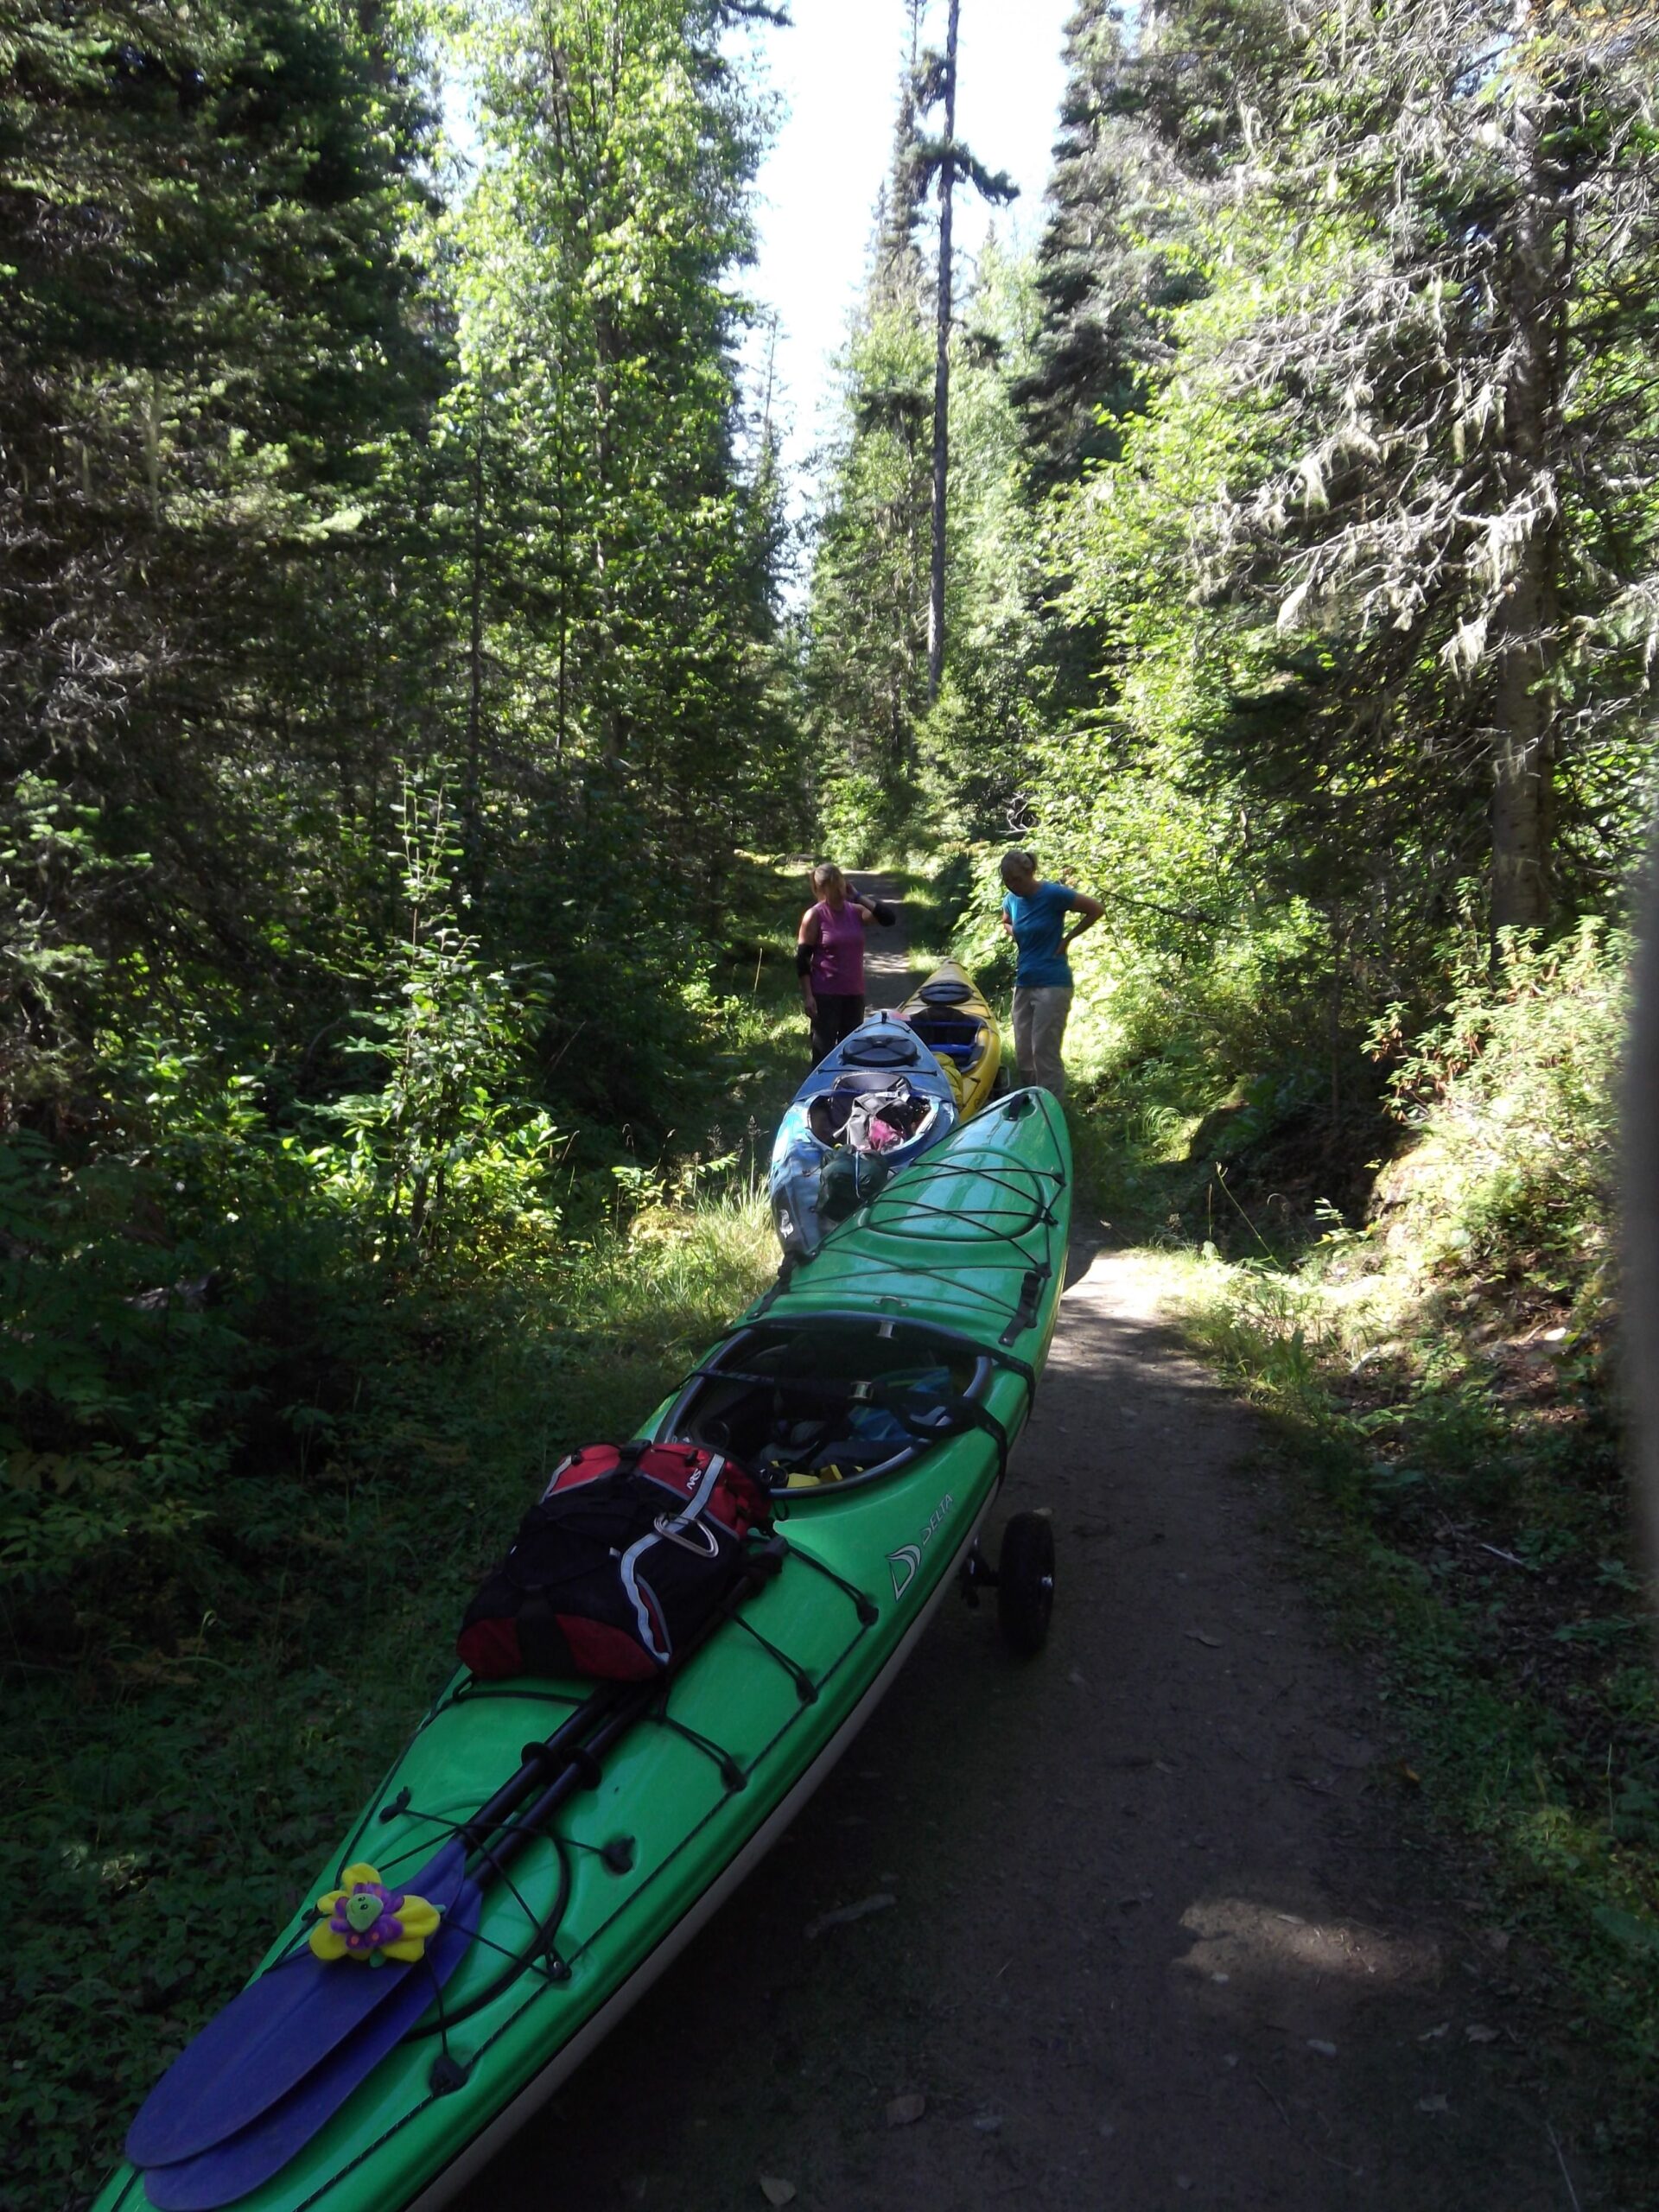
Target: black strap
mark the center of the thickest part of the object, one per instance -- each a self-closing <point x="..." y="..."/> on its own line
<point x="963" y="1413"/>
<point x="1026" y="1311"/>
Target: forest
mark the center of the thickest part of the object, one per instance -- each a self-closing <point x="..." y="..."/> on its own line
<point x="418" y="697"/>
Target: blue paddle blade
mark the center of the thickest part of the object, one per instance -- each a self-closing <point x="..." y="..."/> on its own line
<point x="240" y="2162"/>
<point x="271" y="2036"/>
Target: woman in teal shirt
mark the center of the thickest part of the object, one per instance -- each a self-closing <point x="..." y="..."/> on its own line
<point x="1033" y="914"/>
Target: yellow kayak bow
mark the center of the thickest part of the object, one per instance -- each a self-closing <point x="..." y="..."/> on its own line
<point x="960" y="1030"/>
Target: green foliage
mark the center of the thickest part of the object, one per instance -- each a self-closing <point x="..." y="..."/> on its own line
<point x="444" y="1131"/>
<point x="864" y="671"/>
<point x="1303" y="555"/>
<point x="107" y="1381"/>
<point x="211" y="229"/>
<point x="1513" y="1093"/>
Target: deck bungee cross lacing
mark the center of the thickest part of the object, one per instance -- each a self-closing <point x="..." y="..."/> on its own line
<point x="956" y="1279"/>
<point x="904" y="1201"/>
<point x="230" y="2165"/>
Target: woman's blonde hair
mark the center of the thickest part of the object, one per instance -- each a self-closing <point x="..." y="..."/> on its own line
<point x="824" y="874"/>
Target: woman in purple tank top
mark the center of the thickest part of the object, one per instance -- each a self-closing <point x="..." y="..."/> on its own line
<point x="829" y="957"/>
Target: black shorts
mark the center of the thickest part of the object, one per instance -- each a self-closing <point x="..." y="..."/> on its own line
<point x="838" y="1015"/>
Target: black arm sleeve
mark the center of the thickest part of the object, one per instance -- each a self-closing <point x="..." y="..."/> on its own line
<point x="883" y="912"/>
<point x="804" y="958"/>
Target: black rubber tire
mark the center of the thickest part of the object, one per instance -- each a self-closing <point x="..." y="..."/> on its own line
<point x="1025" y="1583"/>
<point x="1001" y="1086"/>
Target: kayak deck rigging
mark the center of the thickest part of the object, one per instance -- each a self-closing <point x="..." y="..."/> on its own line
<point x="540" y="1954"/>
<point x="910" y="1218"/>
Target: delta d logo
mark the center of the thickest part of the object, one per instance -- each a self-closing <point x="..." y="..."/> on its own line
<point x="903" y="1563"/>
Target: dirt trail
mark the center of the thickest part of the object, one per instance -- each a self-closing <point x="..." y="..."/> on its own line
<point x="888" y="973"/>
<point x="1156" y="1939"/>
<point x="1159" y="1934"/>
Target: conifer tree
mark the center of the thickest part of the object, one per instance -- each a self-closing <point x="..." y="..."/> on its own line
<point x="1455" y="509"/>
<point x="866" y="662"/>
<point x="213" y="357"/>
<point x="300" y="489"/>
<point x="1106" y="271"/>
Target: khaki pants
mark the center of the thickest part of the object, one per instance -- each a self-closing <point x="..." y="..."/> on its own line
<point x="1040" y="1012"/>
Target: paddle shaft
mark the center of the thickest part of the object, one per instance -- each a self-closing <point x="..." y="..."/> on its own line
<point x="578" y="1773"/>
<point x="476" y="1832"/>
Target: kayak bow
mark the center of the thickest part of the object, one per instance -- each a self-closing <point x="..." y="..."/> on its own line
<point x="824" y="1164"/>
<point x="953" y="1020"/>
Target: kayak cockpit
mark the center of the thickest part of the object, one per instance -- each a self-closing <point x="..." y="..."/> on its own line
<point x="952" y="1020"/>
<point x="957" y="1038"/>
<point x="872" y="1114"/>
<point x="842" y="1401"/>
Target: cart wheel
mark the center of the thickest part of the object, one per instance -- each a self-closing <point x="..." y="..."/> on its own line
<point x="1001" y="1085"/>
<point x="1025" y="1583"/>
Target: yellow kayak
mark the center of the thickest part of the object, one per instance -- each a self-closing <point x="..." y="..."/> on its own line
<point x="961" y="1032"/>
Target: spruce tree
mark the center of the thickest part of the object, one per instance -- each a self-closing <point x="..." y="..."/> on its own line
<point x="212" y="354"/>
<point x="866" y="657"/>
<point x="1107" y="272"/>
<point x="1456" y="507"/>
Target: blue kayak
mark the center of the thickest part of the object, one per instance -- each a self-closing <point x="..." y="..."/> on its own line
<point x="875" y="1104"/>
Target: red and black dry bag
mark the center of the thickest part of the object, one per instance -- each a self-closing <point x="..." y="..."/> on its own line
<point x="623" y="1559"/>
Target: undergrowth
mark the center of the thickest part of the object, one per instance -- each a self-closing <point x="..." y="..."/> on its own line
<point x="1441" y="1379"/>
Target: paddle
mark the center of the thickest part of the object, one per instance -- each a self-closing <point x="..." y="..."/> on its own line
<point x="284" y="2023"/>
<point x="234" y="2166"/>
<point x="271" y="2036"/>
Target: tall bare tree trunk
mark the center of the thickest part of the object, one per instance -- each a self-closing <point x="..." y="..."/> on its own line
<point x="941" y="369"/>
<point x="1528" y="618"/>
<point x="471" y="839"/>
<point x="1639" y="1225"/>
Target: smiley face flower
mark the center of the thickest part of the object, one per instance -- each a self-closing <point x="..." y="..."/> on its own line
<point x="365" y="1919"/>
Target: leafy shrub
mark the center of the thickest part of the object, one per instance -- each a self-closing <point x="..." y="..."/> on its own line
<point x="1512" y="1093"/>
<point x="111" y="1384"/>
<point x="862" y="815"/>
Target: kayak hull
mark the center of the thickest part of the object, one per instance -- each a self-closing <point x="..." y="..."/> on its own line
<point x="953" y="1018"/>
<point x="692" y="1794"/>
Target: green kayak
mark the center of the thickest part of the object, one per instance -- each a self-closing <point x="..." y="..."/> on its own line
<point x="877" y="1389"/>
